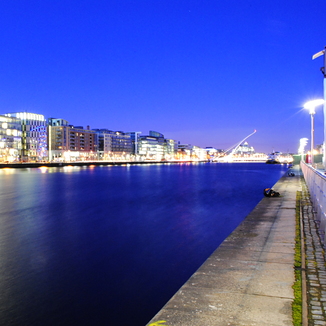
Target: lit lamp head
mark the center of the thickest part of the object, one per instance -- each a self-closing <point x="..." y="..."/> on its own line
<point x="303" y="143"/>
<point x="311" y="105"/>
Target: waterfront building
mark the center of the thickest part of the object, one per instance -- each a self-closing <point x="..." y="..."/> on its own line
<point x="191" y="152"/>
<point x="121" y="143"/>
<point x="152" y="147"/>
<point x="104" y="144"/>
<point x="198" y="153"/>
<point x="34" y="136"/>
<point x="213" y="152"/>
<point x="58" y="138"/>
<point x="70" y="143"/>
<point x="10" y="139"/>
<point x="134" y="135"/>
<point x="184" y="151"/>
<point x="170" y="149"/>
<point x="113" y="144"/>
<point x="244" y="149"/>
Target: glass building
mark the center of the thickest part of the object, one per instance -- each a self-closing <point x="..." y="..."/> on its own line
<point x="245" y="149"/>
<point x="171" y="148"/>
<point x="10" y="139"/>
<point x="152" y="147"/>
<point x="113" y="144"/>
<point x="134" y="135"/>
<point x="34" y="136"/>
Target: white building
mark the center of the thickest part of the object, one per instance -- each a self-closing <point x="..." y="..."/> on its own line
<point x="34" y="136"/>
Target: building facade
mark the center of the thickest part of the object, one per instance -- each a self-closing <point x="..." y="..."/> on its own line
<point x="134" y="135"/>
<point x="244" y="149"/>
<point x="113" y="144"/>
<point x="171" y="148"/>
<point x="28" y="137"/>
<point x="34" y="136"/>
<point x="10" y="139"/>
<point x="70" y="143"/>
<point x="152" y="147"/>
<point x="156" y="147"/>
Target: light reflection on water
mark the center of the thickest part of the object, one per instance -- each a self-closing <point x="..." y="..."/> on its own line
<point x="110" y="245"/>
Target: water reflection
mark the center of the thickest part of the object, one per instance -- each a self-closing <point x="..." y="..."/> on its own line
<point x="84" y="245"/>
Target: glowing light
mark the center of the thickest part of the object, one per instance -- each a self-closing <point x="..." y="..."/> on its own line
<point x="7" y="170"/>
<point x="311" y="105"/>
<point x="303" y="143"/>
<point x="68" y="168"/>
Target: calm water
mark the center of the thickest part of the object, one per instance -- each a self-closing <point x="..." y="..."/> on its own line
<point x="110" y="245"/>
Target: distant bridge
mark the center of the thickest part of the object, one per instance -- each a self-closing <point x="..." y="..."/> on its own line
<point x="231" y="157"/>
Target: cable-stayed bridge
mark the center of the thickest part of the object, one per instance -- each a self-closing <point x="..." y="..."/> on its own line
<point x="231" y="154"/>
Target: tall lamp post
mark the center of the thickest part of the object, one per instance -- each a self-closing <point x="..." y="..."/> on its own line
<point x="311" y="106"/>
<point x="323" y="70"/>
<point x="303" y="143"/>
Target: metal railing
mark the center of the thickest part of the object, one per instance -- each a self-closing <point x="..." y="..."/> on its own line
<point x="316" y="183"/>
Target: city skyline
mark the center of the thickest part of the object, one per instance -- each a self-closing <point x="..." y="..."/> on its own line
<point x="200" y="72"/>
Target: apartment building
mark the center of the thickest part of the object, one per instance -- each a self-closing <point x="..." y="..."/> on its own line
<point x="70" y="143"/>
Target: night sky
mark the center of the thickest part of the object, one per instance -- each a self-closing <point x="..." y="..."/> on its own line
<point x="204" y="72"/>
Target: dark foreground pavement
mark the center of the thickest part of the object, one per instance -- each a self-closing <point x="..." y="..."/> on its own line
<point x="248" y="279"/>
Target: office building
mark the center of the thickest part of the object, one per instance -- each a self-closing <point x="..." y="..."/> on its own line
<point x="10" y="139"/>
<point x="34" y="136"/>
<point x="171" y="148"/>
<point x="152" y="147"/>
<point x="113" y="144"/>
<point x="134" y="135"/>
<point x="244" y="149"/>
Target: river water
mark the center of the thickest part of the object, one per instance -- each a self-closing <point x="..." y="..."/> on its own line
<point x="110" y="245"/>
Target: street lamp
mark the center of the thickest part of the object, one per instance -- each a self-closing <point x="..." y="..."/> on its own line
<point x="303" y="143"/>
<point x="323" y="70"/>
<point x="311" y="106"/>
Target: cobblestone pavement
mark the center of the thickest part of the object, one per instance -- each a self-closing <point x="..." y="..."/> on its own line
<point x="315" y="263"/>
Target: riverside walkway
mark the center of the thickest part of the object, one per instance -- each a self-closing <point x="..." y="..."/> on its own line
<point x="248" y="279"/>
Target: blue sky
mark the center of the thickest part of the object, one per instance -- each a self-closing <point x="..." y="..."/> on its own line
<point x="204" y="72"/>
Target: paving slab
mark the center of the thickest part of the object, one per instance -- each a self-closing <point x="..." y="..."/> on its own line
<point x="218" y="308"/>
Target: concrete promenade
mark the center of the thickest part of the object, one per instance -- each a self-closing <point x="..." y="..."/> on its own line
<point x="248" y="279"/>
